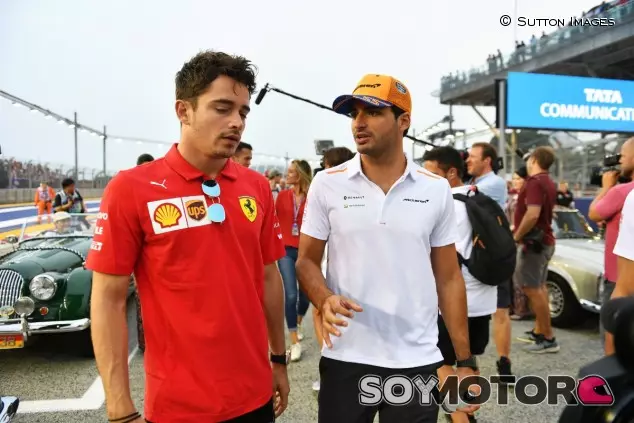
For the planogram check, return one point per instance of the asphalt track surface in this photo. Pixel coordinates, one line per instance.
(49, 371)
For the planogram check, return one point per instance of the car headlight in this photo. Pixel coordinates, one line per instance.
(43, 287)
(600, 288)
(24, 305)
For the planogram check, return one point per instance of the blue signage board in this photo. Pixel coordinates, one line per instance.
(570, 103)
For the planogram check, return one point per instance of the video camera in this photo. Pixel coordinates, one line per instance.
(615, 398)
(321, 146)
(610, 164)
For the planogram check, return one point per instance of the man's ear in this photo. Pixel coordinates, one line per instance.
(182, 108)
(405, 121)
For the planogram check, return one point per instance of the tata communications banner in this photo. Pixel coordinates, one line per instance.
(569, 103)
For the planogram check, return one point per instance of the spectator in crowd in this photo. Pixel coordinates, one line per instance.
(243, 154)
(606, 207)
(332, 157)
(565, 198)
(289, 207)
(517, 182)
(481, 298)
(144, 158)
(69, 199)
(480, 163)
(519, 301)
(284, 184)
(44, 201)
(335, 156)
(533, 231)
(18, 174)
(274, 176)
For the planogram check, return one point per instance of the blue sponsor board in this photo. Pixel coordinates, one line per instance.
(572, 103)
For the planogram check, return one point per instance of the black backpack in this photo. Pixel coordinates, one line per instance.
(494, 251)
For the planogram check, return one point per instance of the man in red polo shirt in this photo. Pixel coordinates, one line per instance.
(533, 231)
(200, 234)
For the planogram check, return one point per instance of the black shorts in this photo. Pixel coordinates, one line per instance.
(340, 392)
(478, 338)
(264, 414)
(505, 296)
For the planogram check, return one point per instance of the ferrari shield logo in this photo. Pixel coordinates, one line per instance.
(249, 207)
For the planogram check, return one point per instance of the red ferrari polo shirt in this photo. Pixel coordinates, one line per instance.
(285, 209)
(200, 284)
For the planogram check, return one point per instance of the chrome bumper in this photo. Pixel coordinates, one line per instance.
(24, 328)
(590, 306)
(8, 408)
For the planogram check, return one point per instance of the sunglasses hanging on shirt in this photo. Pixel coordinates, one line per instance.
(216, 211)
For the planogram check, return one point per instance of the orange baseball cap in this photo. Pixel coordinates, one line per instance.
(377, 91)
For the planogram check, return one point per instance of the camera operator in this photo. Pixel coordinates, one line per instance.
(624, 251)
(606, 207)
(480, 164)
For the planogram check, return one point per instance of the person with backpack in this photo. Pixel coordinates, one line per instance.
(486, 253)
(482, 165)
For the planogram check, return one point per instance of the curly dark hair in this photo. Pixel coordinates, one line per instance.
(202, 69)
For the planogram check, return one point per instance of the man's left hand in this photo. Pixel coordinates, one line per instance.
(281, 389)
(464, 372)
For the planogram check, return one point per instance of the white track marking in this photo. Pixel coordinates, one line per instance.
(93, 399)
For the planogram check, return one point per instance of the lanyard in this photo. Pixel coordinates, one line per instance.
(295, 208)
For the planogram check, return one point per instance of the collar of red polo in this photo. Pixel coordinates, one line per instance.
(176, 161)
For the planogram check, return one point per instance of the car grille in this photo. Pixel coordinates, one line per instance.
(11, 283)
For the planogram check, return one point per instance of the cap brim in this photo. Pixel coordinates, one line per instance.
(343, 103)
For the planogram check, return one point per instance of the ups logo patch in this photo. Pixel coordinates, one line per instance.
(196, 209)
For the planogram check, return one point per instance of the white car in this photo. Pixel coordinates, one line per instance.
(575, 273)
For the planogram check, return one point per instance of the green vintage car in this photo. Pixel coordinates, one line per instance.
(44, 287)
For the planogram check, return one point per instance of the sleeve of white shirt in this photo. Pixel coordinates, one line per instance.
(444, 232)
(315, 222)
(625, 242)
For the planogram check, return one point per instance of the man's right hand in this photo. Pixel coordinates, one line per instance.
(609, 179)
(332, 306)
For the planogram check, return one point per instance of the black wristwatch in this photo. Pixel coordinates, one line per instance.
(470, 362)
(280, 359)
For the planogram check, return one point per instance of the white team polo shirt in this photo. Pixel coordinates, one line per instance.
(379, 256)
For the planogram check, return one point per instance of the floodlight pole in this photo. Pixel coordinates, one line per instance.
(76, 172)
(502, 123)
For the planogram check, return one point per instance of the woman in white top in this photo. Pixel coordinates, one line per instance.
(332, 157)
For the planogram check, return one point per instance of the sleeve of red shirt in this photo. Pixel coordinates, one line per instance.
(118, 234)
(611, 204)
(534, 193)
(271, 243)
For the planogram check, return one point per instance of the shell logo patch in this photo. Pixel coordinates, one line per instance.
(167, 215)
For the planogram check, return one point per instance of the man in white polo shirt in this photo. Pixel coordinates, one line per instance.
(624, 250)
(390, 228)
